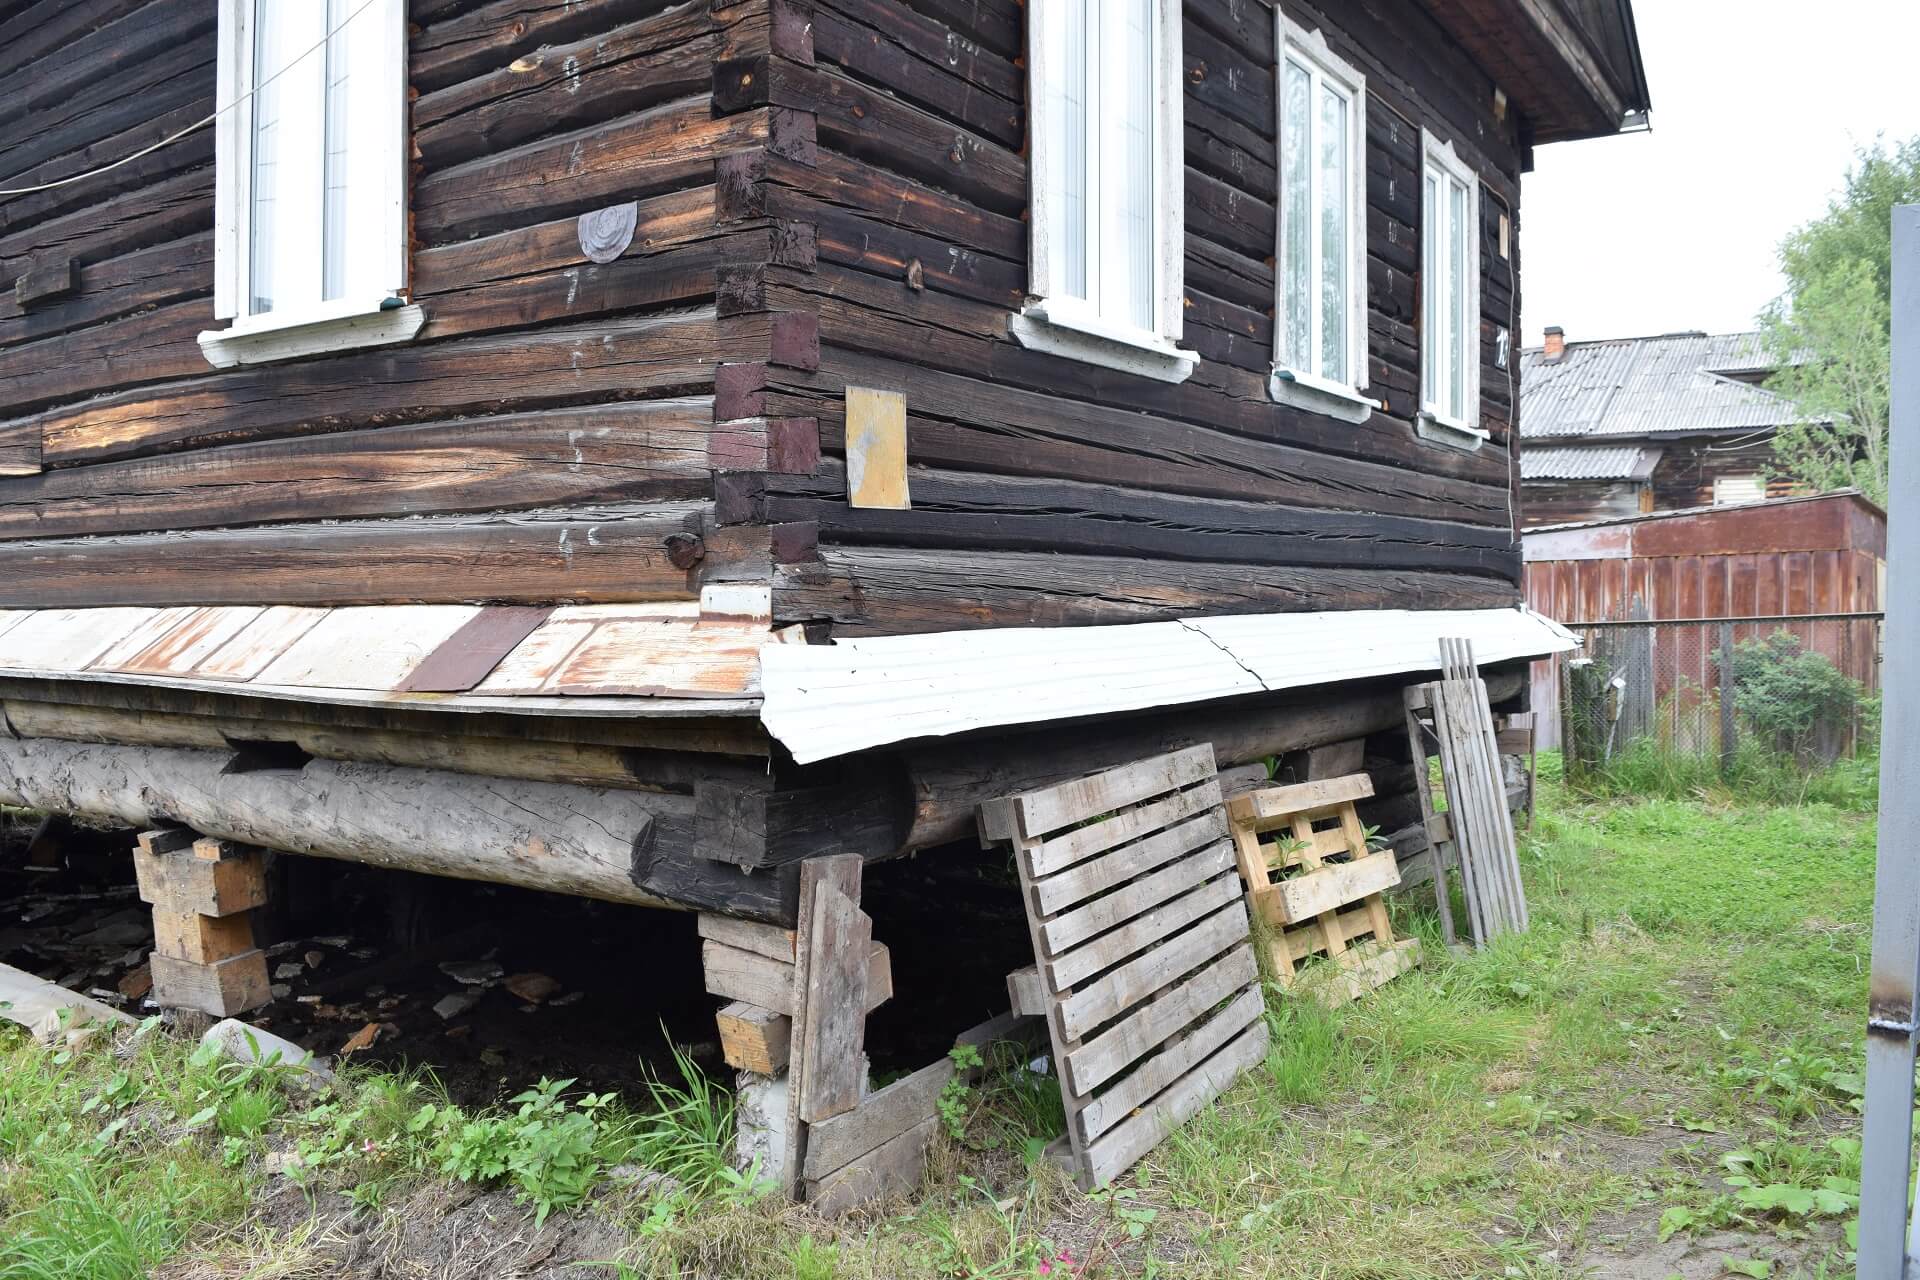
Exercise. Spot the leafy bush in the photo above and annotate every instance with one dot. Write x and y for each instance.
(547, 1147)
(1797, 702)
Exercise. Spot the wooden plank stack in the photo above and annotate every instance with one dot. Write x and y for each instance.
(1315, 883)
(1475, 832)
(1145, 974)
(201, 891)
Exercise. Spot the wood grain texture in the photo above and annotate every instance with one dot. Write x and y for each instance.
(536, 557)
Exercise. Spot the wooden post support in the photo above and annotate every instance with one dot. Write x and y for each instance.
(201, 892)
(796, 1027)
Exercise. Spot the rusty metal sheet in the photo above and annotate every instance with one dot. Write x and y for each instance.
(141, 635)
(259, 642)
(709, 659)
(532, 662)
(185, 646)
(670, 648)
(367, 647)
(66, 639)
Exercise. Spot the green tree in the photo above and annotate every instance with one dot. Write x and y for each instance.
(1830, 333)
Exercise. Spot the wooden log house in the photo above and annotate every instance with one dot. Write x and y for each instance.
(427, 425)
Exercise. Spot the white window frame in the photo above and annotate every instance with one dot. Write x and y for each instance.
(1440, 161)
(373, 310)
(1056, 322)
(1339, 397)
(1726, 481)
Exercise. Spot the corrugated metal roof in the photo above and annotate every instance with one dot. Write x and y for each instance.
(829, 700)
(500, 657)
(1648, 387)
(1588, 462)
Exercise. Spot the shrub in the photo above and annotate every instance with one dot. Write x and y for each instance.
(1796, 702)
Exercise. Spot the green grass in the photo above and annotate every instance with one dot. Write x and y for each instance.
(1674, 1048)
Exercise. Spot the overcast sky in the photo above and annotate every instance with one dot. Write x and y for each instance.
(1757, 107)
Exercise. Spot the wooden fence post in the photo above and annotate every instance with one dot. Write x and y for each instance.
(1729, 743)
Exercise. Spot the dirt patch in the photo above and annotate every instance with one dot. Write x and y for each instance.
(443, 1231)
(1627, 1247)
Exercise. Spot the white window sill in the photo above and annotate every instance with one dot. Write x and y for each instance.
(1449, 431)
(285, 336)
(1320, 395)
(1129, 351)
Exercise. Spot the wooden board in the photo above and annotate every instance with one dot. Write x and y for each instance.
(754, 1039)
(1475, 833)
(223, 988)
(182, 882)
(877, 449)
(1144, 969)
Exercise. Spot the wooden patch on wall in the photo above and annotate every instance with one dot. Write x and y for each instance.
(877, 449)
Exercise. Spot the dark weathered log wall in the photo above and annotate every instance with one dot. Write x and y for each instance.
(543, 384)
(1051, 491)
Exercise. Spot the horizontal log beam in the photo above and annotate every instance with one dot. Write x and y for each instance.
(970, 512)
(608, 554)
(658, 449)
(587, 764)
(901, 590)
(951, 779)
(614, 846)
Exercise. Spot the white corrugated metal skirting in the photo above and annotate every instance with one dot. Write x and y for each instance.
(828, 700)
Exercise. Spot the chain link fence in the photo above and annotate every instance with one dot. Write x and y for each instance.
(1804, 688)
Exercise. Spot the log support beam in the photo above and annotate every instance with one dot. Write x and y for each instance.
(203, 892)
(618, 846)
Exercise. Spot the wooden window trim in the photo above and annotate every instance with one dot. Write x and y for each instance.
(373, 310)
(1440, 159)
(1067, 326)
(1335, 397)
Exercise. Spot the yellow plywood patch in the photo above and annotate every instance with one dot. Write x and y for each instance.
(877, 449)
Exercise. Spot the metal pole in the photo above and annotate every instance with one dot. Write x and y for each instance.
(1728, 743)
(1887, 1243)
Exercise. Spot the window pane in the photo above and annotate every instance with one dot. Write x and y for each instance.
(1333, 236)
(270, 53)
(1127, 166)
(1432, 215)
(1457, 302)
(1067, 114)
(333, 246)
(1296, 268)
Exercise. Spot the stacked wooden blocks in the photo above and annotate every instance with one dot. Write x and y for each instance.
(1312, 879)
(201, 891)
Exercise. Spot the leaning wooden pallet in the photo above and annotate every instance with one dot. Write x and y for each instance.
(1145, 973)
(1318, 885)
(1475, 833)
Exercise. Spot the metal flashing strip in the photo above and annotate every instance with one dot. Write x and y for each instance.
(830, 700)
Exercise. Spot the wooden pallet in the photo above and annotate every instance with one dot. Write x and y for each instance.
(1475, 832)
(1314, 882)
(1145, 972)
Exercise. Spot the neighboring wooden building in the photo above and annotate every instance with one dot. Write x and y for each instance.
(1627, 426)
(434, 461)
(1779, 558)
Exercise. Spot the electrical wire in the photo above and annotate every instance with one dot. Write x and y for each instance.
(196, 125)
